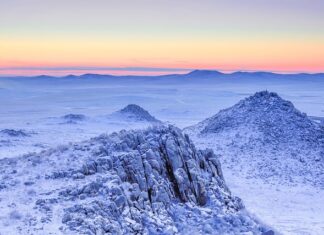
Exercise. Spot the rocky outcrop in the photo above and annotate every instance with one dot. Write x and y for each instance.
(132, 182)
(137, 113)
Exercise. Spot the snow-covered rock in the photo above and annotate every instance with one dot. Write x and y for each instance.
(152, 181)
(268, 137)
(14, 133)
(133, 112)
(73, 118)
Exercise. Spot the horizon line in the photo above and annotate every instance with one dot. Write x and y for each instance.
(63, 71)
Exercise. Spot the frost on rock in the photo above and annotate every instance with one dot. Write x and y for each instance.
(269, 136)
(135, 112)
(152, 181)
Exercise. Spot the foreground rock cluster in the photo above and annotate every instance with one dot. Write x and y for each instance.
(133, 182)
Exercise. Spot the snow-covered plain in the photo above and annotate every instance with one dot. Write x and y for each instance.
(38, 113)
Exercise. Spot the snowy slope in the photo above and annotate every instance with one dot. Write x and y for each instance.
(267, 137)
(152, 181)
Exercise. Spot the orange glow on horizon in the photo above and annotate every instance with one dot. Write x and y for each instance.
(219, 54)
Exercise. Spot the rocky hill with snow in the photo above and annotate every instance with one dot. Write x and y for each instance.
(267, 136)
(73, 118)
(133, 112)
(152, 181)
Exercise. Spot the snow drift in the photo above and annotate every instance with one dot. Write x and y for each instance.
(152, 181)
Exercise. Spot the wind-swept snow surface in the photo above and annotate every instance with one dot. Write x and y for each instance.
(133, 182)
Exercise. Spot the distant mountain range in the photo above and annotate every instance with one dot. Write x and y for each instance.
(192, 74)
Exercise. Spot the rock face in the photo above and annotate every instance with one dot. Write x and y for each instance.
(133, 182)
(137, 113)
(271, 132)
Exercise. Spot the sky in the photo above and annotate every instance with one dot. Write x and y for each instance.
(59, 37)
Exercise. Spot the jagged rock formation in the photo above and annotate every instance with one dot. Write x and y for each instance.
(269, 133)
(133, 182)
(137, 113)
